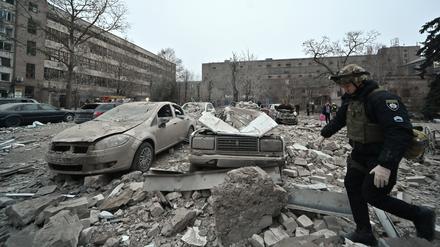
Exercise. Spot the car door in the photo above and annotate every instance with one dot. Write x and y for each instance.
(182, 122)
(167, 127)
(30, 113)
(51, 113)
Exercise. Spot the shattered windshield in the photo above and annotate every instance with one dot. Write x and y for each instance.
(128, 112)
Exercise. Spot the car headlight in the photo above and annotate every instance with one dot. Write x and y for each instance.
(112, 141)
(271, 145)
(203, 142)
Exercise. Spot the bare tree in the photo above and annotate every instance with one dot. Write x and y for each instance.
(247, 79)
(353, 43)
(187, 77)
(170, 55)
(234, 64)
(84, 20)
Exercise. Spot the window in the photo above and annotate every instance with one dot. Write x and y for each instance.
(6, 16)
(287, 64)
(32, 26)
(5, 76)
(165, 111)
(268, 65)
(31, 48)
(5, 46)
(5, 62)
(213, 67)
(178, 111)
(30, 71)
(9, 32)
(30, 107)
(8, 1)
(33, 7)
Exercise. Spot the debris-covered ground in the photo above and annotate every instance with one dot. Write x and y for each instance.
(116, 211)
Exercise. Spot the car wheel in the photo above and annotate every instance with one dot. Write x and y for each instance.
(143, 157)
(188, 135)
(12, 122)
(68, 118)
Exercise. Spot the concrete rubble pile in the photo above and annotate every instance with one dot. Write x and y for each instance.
(247, 209)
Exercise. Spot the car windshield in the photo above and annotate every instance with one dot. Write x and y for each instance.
(104, 107)
(193, 106)
(128, 112)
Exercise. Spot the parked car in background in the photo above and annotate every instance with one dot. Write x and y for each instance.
(126, 137)
(16, 100)
(16, 114)
(93, 110)
(283, 114)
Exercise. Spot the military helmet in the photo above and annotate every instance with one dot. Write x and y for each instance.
(349, 74)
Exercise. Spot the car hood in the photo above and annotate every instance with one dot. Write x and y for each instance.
(93, 130)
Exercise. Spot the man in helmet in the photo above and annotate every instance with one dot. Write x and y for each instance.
(379, 131)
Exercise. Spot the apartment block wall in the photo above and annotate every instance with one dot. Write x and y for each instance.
(302, 81)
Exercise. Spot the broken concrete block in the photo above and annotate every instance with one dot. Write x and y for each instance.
(256, 241)
(154, 231)
(196, 195)
(138, 196)
(193, 238)
(134, 186)
(340, 182)
(76, 206)
(173, 195)
(291, 173)
(132, 176)
(242, 200)
(45, 190)
(156, 209)
(416, 179)
(105, 215)
(96, 200)
(94, 216)
(319, 225)
(288, 223)
(310, 167)
(22, 213)
(6, 201)
(111, 242)
(182, 217)
(23, 238)
(265, 221)
(332, 223)
(97, 181)
(329, 166)
(301, 231)
(113, 203)
(331, 146)
(116, 190)
(302, 172)
(273, 236)
(325, 232)
(318, 179)
(300, 162)
(50, 234)
(85, 222)
(404, 196)
(304, 221)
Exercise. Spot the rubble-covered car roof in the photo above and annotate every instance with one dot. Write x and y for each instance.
(116, 120)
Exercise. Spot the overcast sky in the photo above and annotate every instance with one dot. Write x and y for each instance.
(202, 31)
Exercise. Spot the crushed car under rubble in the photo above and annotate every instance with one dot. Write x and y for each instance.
(222, 145)
(126, 137)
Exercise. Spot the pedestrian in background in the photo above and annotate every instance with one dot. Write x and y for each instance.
(326, 110)
(379, 130)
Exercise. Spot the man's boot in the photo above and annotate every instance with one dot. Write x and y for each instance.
(362, 236)
(425, 223)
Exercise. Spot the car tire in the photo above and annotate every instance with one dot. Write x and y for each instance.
(188, 134)
(69, 117)
(143, 158)
(12, 122)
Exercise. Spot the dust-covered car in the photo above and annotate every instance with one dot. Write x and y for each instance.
(93, 110)
(283, 114)
(125, 137)
(244, 138)
(210, 149)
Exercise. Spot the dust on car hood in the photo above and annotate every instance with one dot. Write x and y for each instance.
(92, 130)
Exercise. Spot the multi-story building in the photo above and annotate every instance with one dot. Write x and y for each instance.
(7, 30)
(105, 64)
(302, 80)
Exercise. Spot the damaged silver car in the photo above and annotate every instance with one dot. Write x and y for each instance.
(126, 137)
(222, 145)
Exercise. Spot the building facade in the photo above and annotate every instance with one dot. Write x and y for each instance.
(105, 64)
(302, 81)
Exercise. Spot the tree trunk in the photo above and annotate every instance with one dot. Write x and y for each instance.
(69, 87)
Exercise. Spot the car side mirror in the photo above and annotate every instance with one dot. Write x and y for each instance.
(163, 122)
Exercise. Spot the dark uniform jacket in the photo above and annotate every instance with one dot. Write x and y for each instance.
(394, 122)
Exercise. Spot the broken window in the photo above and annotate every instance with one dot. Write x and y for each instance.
(31, 48)
(165, 111)
(5, 62)
(5, 76)
(5, 46)
(33, 7)
(32, 26)
(178, 111)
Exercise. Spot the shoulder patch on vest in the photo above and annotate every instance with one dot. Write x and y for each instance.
(393, 104)
(398, 119)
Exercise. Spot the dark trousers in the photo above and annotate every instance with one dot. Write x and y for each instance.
(327, 117)
(361, 190)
